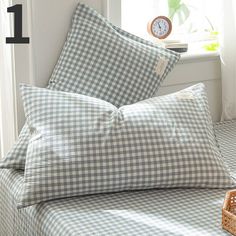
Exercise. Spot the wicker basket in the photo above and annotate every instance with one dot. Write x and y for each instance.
(229, 212)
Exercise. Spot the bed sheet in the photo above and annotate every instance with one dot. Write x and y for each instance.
(172, 212)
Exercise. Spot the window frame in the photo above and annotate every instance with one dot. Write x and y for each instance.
(112, 11)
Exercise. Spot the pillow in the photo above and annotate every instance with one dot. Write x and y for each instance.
(102, 61)
(82, 145)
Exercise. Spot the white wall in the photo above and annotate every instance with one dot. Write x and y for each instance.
(47, 24)
(50, 23)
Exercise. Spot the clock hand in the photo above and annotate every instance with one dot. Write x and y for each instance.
(159, 25)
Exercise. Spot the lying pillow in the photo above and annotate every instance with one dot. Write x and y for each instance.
(102, 61)
(82, 145)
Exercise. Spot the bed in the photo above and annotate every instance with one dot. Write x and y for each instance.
(151, 212)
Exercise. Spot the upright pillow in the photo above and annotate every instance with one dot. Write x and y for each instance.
(102, 61)
(82, 145)
(108, 63)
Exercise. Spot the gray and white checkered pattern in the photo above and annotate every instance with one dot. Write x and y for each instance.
(102, 61)
(15, 158)
(82, 145)
(226, 137)
(175, 212)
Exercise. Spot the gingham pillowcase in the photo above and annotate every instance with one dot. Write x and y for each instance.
(82, 145)
(108, 63)
(102, 61)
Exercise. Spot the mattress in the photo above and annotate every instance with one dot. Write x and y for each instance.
(172, 212)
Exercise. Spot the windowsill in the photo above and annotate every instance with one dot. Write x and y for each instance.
(197, 53)
(192, 56)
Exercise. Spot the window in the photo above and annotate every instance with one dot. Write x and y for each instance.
(193, 21)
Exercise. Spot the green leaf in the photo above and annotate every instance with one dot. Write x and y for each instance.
(212, 46)
(173, 6)
(174, 3)
(214, 33)
(182, 13)
(185, 10)
(172, 13)
(179, 10)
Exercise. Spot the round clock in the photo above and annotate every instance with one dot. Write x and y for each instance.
(160, 27)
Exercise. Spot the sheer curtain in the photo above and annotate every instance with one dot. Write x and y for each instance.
(228, 59)
(7, 88)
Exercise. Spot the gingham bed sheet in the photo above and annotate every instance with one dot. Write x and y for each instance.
(150, 212)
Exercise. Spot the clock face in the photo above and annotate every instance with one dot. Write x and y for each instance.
(161, 27)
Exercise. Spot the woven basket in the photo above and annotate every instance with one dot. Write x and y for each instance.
(229, 212)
